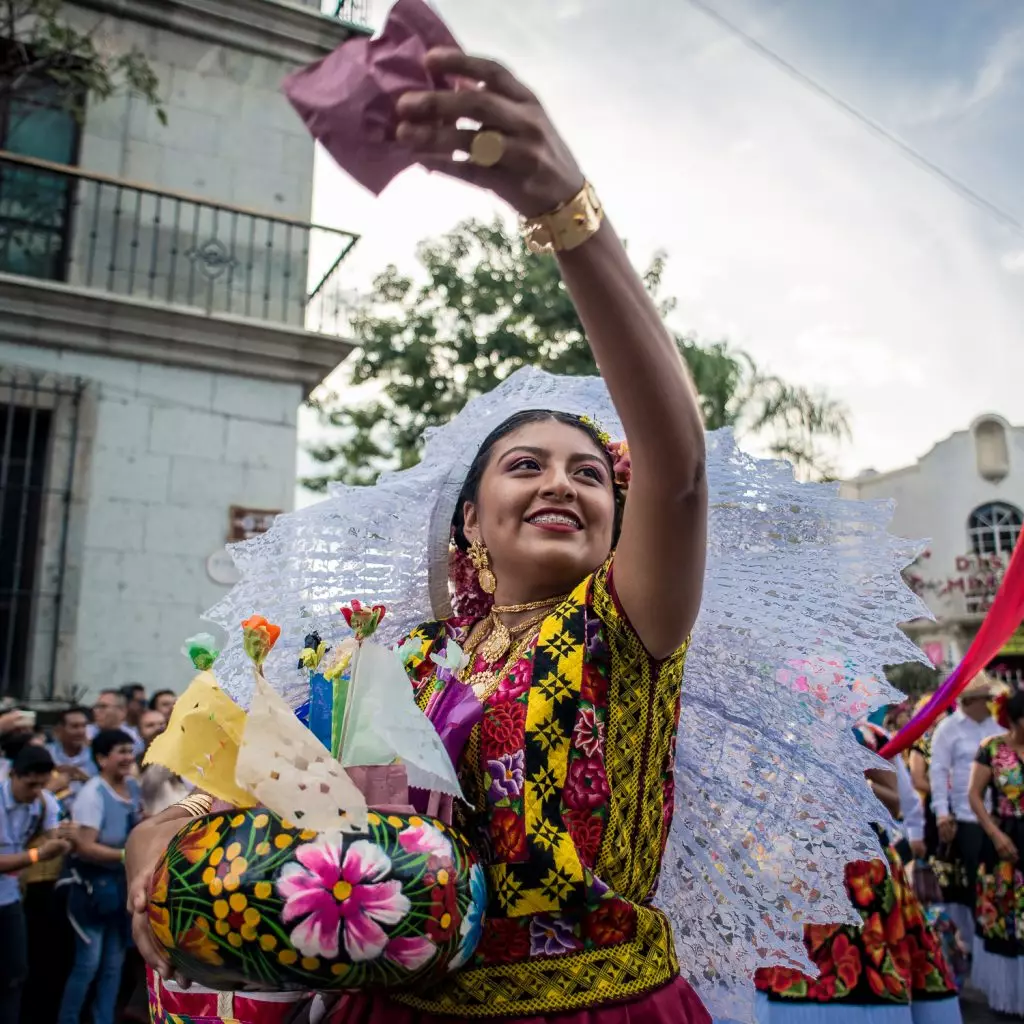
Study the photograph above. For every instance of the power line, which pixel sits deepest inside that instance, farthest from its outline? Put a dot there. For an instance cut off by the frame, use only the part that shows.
(961, 188)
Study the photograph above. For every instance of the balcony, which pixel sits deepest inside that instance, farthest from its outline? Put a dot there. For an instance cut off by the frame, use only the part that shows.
(353, 12)
(101, 235)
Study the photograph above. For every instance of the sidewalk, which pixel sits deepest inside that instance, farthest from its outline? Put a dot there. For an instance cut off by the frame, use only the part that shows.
(976, 1011)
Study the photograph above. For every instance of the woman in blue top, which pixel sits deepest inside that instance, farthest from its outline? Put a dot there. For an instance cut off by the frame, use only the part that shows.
(106, 809)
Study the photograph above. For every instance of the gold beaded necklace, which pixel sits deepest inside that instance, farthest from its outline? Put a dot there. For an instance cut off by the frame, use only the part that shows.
(496, 637)
(495, 640)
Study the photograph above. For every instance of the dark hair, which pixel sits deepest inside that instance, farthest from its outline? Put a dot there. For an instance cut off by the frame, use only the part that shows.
(32, 760)
(105, 741)
(13, 743)
(1015, 706)
(112, 692)
(62, 717)
(130, 692)
(160, 693)
(471, 485)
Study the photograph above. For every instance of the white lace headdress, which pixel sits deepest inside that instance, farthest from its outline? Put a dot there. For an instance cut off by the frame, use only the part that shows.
(802, 600)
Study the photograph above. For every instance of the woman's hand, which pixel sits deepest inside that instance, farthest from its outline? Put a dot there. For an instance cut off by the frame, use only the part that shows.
(146, 845)
(536, 172)
(1005, 847)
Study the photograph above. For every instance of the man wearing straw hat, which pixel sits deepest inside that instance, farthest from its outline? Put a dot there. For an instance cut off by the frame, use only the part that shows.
(954, 746)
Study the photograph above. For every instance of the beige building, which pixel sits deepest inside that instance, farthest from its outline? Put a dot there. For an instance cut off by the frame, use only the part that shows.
(166, 304)
(966, 498)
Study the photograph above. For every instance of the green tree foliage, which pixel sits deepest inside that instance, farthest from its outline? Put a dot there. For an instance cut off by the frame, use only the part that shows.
(485, 306)
(40, 48)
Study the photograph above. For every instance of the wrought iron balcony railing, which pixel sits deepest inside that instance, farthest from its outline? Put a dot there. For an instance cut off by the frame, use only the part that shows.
(353, 12)
(65, 224)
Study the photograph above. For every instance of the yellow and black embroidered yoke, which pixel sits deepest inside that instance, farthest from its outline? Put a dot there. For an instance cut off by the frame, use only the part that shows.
(570, 775)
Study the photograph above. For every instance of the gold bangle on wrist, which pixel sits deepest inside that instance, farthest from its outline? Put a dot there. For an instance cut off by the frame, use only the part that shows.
(568, 225)
(197, 804)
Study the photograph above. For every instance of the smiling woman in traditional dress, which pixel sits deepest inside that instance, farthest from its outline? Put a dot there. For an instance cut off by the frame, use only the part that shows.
(574, 603)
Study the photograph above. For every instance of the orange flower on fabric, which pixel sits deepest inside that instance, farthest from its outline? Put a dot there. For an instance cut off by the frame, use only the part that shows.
(612, 922)
(197, 942)
(258, 637)
(508, 835)
(873, 935)
(847, 960)
(195, 843)
(862, 878)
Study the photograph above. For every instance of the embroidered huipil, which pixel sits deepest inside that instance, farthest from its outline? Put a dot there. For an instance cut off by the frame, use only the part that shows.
(570, 777)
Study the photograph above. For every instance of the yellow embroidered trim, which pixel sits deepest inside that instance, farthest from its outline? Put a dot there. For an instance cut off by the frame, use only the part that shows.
(557, 984)
(642, 700)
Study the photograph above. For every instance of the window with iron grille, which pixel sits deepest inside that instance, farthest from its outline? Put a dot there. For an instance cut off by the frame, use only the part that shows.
(39, 448)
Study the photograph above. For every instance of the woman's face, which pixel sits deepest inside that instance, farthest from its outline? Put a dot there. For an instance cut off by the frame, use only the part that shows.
(118, 763)
(545, 510)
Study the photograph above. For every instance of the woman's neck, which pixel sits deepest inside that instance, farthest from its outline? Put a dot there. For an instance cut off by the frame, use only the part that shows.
(528, 604)
(115, 781)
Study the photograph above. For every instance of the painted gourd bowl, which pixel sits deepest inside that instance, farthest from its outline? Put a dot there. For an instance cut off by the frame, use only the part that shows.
(246, 899)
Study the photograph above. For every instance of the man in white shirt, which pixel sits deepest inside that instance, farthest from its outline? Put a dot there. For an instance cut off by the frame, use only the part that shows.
(26, 811)
(954, 747)
(70, 751)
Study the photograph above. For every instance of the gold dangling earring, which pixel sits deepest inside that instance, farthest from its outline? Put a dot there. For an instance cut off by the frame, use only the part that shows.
(481, 559)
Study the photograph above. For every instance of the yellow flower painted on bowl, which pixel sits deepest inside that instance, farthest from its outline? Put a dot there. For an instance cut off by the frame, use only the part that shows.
(199, 838)
(261, 821)
(268, 942)
(263, 890)
(197, 942)
(262, 849)
(160, 922)
(161, 880)
(287, 957)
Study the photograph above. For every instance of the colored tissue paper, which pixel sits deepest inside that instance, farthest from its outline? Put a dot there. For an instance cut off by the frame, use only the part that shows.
(347, 100)
(201, 741)
(291, 773)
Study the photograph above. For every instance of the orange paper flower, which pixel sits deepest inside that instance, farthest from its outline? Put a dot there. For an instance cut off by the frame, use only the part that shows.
(258, 637)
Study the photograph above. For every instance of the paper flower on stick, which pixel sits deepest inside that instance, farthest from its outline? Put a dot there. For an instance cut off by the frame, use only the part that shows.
(201, 650)
(313, 651)
(363, 621)
(258, 637)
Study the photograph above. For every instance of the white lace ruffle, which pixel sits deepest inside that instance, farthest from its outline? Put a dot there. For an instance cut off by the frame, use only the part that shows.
(802, 599)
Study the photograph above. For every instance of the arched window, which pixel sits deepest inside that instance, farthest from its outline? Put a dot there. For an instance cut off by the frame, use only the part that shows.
(994, 529)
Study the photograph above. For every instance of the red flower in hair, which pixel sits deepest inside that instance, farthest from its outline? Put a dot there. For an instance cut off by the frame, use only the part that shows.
(622, 464)
(1001, 715)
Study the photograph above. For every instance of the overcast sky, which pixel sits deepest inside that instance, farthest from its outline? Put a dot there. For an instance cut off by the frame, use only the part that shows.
(791, 229)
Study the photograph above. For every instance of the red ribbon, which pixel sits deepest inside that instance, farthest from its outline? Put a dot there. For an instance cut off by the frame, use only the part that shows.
(1002, 621)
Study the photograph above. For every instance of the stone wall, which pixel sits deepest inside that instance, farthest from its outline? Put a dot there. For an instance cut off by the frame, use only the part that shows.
(165, 453)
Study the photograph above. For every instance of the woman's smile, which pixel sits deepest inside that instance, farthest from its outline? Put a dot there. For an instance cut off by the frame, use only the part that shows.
(555, 520)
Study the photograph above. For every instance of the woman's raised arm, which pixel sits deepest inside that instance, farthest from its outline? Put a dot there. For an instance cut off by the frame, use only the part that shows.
(659, 564)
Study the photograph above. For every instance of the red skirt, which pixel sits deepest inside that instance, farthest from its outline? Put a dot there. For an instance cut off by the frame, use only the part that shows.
(675, 1003)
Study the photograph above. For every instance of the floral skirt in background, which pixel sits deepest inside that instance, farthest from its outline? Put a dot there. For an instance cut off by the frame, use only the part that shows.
(891, 969)
(998, 968)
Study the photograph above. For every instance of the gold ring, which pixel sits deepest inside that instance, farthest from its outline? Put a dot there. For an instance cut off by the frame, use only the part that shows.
(487, 148)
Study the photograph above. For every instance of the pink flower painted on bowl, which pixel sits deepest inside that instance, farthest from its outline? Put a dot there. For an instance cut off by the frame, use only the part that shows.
(426, 839)
(589, 733)
(506, 776)
(550, 936)
(516, 682)
(336, 896)
(412, 952)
